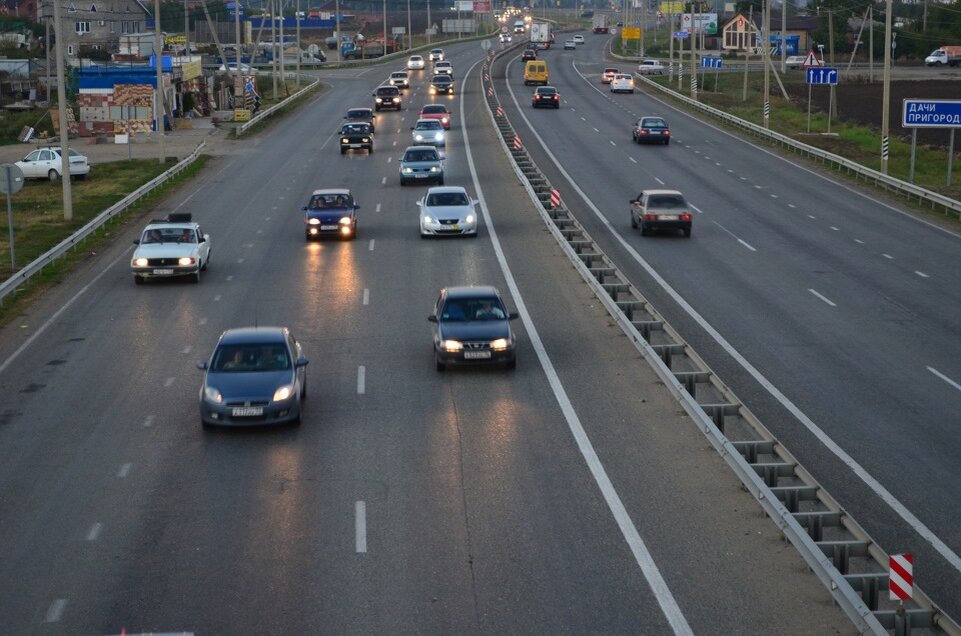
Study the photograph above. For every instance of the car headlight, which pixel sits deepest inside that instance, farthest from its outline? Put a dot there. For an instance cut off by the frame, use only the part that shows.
(344, 140)
(500, 344)
(139, 262)
(433, 89)
(365, 139)
(378, 100)
(439, 136)
(418, 137)
(408, 170)
(213, 395)
(345, 220)
(469, 218)
(283, 393)
(435, 168)
(313, 221)
(452, 345)
(186, 260)
(396, 100)
(443, 120)
(427, 219)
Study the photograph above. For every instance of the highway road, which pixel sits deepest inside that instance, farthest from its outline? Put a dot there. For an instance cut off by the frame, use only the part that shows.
(829, 311)
(571, 495)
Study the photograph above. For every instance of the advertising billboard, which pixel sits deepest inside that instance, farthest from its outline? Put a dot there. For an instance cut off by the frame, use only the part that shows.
(706, 22)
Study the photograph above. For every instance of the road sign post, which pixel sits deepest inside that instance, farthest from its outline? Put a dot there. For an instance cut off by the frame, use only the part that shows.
(11, 180)
(819, 75)
(931, 113)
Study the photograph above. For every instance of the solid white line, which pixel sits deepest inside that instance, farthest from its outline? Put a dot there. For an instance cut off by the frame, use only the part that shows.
(370, 246)
(642, 556)
(55, 611)
(383, 181)
(660, 182)
(360, 527)
(742, 242)
(366, 296)
(633, 160)
(888, 256)
(921, 274)
(124, 470)
(361, 379)
(944, 377)
(822, 298)
(94, 531)
(902, 511)
(734, 236)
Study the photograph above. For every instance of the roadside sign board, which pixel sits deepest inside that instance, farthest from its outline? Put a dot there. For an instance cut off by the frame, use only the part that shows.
(811, 60)
(11, 178)
(680, 35)
(630, 33)
(822, 75)
(712, 62)
(931, 113)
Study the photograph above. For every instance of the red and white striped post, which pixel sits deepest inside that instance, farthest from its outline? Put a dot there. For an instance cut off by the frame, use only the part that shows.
(517, 142)
(490, 91)
(500, 111)
(555, 198)
(900, 576)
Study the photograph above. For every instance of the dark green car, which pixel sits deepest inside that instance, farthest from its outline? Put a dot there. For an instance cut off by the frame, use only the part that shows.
(356, 136)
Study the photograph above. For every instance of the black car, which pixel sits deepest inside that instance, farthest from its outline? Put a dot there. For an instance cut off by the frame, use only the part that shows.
(442, 85)
(651, 130)
(528, 54)
(362, 115)
(471, 325)
(356, 136)
(255, 376)
(387, 97)
(546, 97)
(331, 212)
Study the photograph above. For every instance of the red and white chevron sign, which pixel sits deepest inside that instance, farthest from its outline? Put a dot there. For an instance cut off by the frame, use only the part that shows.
(500, 111)
(901, 576)
(517, 142)
(490, 91)
(555, 197)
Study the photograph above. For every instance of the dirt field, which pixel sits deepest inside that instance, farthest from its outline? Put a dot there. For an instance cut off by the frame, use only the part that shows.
(861, 102)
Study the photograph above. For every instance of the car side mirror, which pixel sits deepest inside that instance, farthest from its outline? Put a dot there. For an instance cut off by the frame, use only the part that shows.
(136, 242)
(513, 315)
(432, 318)
(356, 206)
(204, 238)
(633, 201)
(202, 365)
(304, 208)
(419, 202)
(474, 202)
(302, 361)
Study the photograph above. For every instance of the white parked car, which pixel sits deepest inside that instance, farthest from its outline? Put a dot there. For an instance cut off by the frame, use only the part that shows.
(650, 67)
(416, 63)
(175, 246)
(578, 39)
(44, 163)
(447, 211)
(622, 83)
(794, 61)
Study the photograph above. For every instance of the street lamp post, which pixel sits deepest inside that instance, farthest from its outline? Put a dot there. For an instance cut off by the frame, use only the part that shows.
(886, 90)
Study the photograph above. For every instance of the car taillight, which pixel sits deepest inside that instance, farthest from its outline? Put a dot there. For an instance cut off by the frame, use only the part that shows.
(666, 132)
(557, 96)
(650, 217)
(641, 132)
(685, 217)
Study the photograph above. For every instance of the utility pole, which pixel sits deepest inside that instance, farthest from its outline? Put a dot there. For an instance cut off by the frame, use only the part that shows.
(186, 34)
(784, 36)
(282, 46)
(410, 34)
(239, 101)
(158, 56)
(766, 57)
(670, 44)
(64, 131)
(273, 45)
(299, 53)
(337, 28)
(870, 44)
(886, 90)
(428, 21)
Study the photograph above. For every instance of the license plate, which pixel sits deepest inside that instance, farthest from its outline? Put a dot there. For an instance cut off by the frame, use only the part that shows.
(356, 145)
(477, 355)
(163, 272)
(667, 217)
(453, 227)
(328, 227)
(247, 411)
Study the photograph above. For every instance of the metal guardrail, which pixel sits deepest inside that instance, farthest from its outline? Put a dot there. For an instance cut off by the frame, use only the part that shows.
(851, 566)
(116, 209)
(883, 181)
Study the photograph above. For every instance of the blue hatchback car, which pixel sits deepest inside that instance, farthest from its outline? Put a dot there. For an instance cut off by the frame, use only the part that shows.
(331, 212)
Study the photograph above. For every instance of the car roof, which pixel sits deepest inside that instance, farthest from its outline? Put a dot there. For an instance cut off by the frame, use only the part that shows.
(472, 291)
(247, 335)
(416, 57)
(611, 69)
(364, 109)
(440, 108)
(652, 192)
(447, 190)
(175, 226)
(430, 121)
(418, 148)
(330, 191)
(547, 89)
(404, 73)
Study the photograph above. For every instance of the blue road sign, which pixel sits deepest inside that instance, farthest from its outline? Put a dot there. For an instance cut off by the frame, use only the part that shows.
(680, 35)
(712, 62)
(931, 113)
(821, 75)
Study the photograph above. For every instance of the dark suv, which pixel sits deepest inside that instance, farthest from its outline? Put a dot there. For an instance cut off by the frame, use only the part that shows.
(387, 97)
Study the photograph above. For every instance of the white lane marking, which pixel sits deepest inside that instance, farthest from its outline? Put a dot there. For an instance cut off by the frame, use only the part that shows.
(94, 531)
(217, 298)
(377, 209)
(859, 241)
(812, 217)
(187, 349)
(169, 381)
(944, 377)
(836, 229)
(741, 241)
(822, 298)
(734, 236)
(389, 158)
(774, 196)
(383, 181)
(612, 142)
(743, 178)
(148, 421)
(791, 205)
(717, 163)
(902, 511)
(757, 187)
(55, 611)
(888, 256)
(361, 380)
(239, 261)
(124, 470)
(595, 129)
(231, 277)
(632, 537)
(360, 527)
(660, 182)
(633, 160)
(370, 247)
(202, 321)
(582, 119)
(366, 296)
(921, 274)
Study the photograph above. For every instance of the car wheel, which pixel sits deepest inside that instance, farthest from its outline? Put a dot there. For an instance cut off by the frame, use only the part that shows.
(667, 141)
(343, 150)
(138, 280)
(303, 389)
(53, 175)
(370, 150)
(511, 364)
(195, 277)
(687, 232)
(644, 230)
(633, 221)
(206, 262)
(81, 177)
(403, 182)
(440, 365)
(440, 181)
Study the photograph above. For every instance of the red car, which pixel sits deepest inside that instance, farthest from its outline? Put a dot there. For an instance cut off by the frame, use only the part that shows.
(438, 112)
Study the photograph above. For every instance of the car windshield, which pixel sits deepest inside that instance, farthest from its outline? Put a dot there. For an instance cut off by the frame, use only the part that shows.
(387, 91)
(429, 124)
(447, 198)
(461, 310)
(654, 123)
(434, 110)
(332, 201)
(399, 75)
(420, 155)
(666, 201)
(546, 91)
(442, 79)
(168, 235)
(355, 129)
(358, 114)
(250, 358)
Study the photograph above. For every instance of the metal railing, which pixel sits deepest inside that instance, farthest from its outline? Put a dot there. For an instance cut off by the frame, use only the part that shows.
(77, 237)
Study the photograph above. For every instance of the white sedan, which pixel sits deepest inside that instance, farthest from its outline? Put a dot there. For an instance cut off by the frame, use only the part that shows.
(416, 63)
(578, 39)
(447, 211)
(428, 132)
(44, 163)
(177, 247)
(622, 83)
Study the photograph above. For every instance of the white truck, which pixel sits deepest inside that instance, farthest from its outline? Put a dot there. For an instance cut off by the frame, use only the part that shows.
(944, 56)
(541, 35)
(599, 23)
